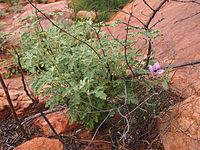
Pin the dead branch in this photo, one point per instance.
(132, 16)
(124, 135)
(148, 5)
(149, 51)
(159, 21)
(179, 65)
(13, 109)
(96, 131)
(138, 106)
(36, 101)
(32, 117)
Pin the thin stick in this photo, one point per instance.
(125, 46)
(97, 131)
(12, 108)
(148, 53)
(138, 106)
(148, 5)
(132, 16)
(190, 63)
(124, 136)
(36, 101)
(30, 118)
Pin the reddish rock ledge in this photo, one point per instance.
(41, 143)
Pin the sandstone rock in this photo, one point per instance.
(179, 43)
(180, 126)
(14, 94)
(24, 107)
(4, 6)
(86, 15)
(60, 122)
(4, 108)
(14, 83)
(1, 92)
(41, 143)
(48, 9)
(20, 100)
(58, 12)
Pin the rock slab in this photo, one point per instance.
(180, 126)
(59, 120)
(41, 143)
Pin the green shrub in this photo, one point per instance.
(89, 82)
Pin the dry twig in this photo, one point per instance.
(36, 101)
(32, 117)
(13, 109)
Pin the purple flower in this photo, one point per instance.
(156, 69)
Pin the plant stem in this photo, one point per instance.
(12, 108)
(36, 102)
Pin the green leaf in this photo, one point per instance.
(165, 84)
(101, 95)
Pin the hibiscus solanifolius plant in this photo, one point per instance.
(88, 75)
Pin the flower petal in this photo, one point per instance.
(160, 71)
(151, 69)
(156, 66)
